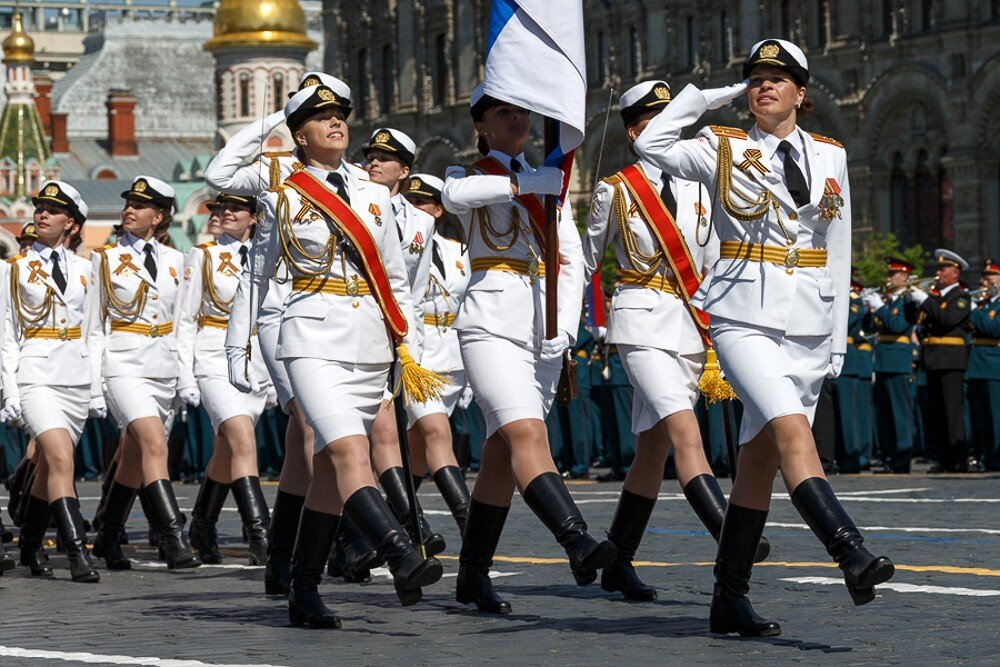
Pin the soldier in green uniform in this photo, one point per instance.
(893, 365)
(616, 418)
(865, 368)
(846, 390)
(944, 319)
(983, 375)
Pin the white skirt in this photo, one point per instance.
(339, 399)
(267, 337)
(45, 407)
(773, 374)
(223, 401)
(442, 406)
(663, 383)
(510, 382)
(131, 398)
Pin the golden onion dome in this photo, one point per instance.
(18, 48)
(259, 23)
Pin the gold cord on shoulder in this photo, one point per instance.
(27, 315)
(208, 286)
(636, 258)
(126, 310)
(752, 209)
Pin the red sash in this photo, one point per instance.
(347, 220)
(671, 241)
(533, 203)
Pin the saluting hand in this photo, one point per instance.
(720, 97)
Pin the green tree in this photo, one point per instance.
(870, 253)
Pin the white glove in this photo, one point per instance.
(542, 181)
(918, 296)
(836, 365)
(872, 300)
(554, 348)
(272, 397)
(274, 120)
(191, 396)
(237, 357)
(720, 97)
(11, 410)
(465, 399)
(98, 407)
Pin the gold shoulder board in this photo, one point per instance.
(731, 132)
(826, 140)
(11, 260)
(206, 245)
(274, 154)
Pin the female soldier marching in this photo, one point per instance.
(778, 297)
(348, 309)
(47, 376)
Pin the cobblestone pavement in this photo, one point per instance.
(942, 532)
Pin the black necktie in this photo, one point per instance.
(243, 255)
(667, 195)
(436, 258)
(150, 261)
(794, 179)
(57, 274)
(516, 166)
(337, 181)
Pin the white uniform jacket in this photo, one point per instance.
(505, 304)
(640, 315)
(449, 278)
(316, 325)
(798, 301)
(416, 229)
(115, 353)
(51, 351)
(201, 327)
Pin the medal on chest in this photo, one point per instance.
(226, 266)
(125, 266)
(752, 159)
(701, 212)
(460, 266)
(829, 205)
(377, 212)
(173, 274)
(37, 273)
(417, 244)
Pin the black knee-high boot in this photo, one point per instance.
(627, 527)
(451, 483)
(153, 531)
(281, 541)
(253, 512)
(167, 515)
(353, 556)
(369, 512)
(109, 478)
(550, 500)
(393, 483)
(479, 545)
(731, 608)
(107, 544)
(33, 525)
(69, 524)
(312, 547)
(18, 488)
(204, 517)
(709, 502)
(817, 503)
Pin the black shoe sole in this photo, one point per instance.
(879, 572)
(298, 619)
(727, 630)
(93, 577)
(434, 545)
(429, 572)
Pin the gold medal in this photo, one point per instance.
(532, 267)
(353, 288)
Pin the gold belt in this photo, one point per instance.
(525, 267)
(864, 347)
(54, 333)
(656, 281)
(352, 287)
(987, 342)
(214, 322)
(787, 257)
(944, 340)
(581, 354)
(894, 339)
(444, 320)
(151, 330)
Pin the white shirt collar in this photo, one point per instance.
(505, 159)
(138, 244)
(948, 289)
(226, 239)
(653, 173)
(46, 252)
(770, 143)
(323, 173)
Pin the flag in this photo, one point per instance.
(596, 317)
(535, 58)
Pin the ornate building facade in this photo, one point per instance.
(911, 87)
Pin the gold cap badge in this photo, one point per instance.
(382, 137)
(140, 186)
(769, 51)
(661, 92)
(325, 95)
(311, 81)
(51, 190)
(415, 184)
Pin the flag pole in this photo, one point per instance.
(551, 242)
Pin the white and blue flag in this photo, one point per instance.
(535, 58)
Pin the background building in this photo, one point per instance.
(911, 87)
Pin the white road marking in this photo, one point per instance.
(900, 529)
(882, 492)
(903, 588)
(223, 566)
(844, 497)
(99, 659)
(384, 573)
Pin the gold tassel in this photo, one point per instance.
(419, 384)
(711, 384)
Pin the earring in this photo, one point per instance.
(798, 106)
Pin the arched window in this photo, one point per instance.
(244, 94)
(278, 84)
(926, 225)
(786, 19)
(725, 37)
(634, 51)
(386, 89)
(822, 23)
(440, 79)
(927, 15)
(602, 58)
(898, 200)
(692, 41)
(362, 83)
(888, 18)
